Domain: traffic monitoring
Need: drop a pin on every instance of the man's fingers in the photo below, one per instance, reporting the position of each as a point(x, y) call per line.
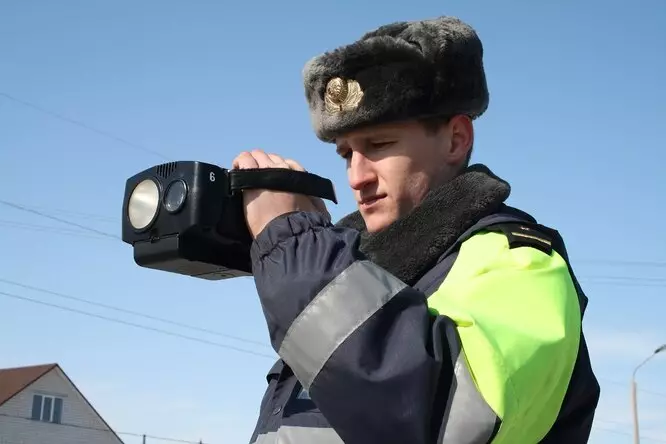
point(259, 159)
point(263, 159)
point(244, 161)
point(294, 165)
point(278, 162)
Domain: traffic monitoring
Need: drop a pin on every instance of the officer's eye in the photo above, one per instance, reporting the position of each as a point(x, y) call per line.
point(345, 154)
point(381, 144)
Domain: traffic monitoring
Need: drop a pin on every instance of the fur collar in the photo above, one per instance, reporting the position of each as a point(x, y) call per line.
point(410, 246)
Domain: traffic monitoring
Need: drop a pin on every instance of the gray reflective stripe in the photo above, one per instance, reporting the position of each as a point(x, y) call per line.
point(333, 315)
point(300, 435)
point(468, 419)
point(268, 438)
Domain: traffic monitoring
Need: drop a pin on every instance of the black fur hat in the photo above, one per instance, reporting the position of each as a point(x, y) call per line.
point(399, 71)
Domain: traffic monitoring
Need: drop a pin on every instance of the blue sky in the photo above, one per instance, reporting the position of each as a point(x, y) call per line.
point(575, 124)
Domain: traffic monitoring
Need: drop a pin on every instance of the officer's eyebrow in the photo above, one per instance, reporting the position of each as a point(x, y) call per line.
point(384, 132)
point(369, 136)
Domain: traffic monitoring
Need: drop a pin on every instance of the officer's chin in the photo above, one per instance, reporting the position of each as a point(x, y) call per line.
point(376, 222)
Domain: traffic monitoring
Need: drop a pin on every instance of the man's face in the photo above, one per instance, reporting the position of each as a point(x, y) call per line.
point(392, 167)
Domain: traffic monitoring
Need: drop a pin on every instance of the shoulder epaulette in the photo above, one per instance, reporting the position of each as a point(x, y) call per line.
point(525, 235)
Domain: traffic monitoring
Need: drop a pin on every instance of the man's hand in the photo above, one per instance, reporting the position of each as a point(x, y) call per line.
point(262, 206)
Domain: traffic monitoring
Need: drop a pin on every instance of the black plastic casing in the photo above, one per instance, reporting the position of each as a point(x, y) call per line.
point(206, 238)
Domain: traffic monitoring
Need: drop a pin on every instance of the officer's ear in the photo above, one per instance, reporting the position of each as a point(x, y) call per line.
point(461, 134)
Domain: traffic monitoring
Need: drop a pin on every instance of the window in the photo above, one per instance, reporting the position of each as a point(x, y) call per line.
point(47, 408)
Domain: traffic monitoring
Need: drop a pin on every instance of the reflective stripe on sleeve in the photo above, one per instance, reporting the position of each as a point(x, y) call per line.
point(333, 315)
point(468, 418)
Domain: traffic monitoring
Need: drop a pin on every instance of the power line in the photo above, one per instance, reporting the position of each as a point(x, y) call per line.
point(134, 145)
point(36, 210)
point(133, 324)
point(179, 324)
point(628, 278)
point(183, 441)
point(619, 432)
point(633, 284)
point(652, 392)
point(49, 229)
point(622, 263)
point(83, 125)
point(132, 312)
point(202, 329)
point(57, 219)
point(109, 430)
point(161, 438)
point(79, 214)
point(170, 333)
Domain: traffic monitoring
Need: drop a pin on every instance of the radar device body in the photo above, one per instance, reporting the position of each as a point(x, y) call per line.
point(187, 217)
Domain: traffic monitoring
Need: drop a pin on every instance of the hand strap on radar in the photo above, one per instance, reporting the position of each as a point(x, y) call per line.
point(282, 179)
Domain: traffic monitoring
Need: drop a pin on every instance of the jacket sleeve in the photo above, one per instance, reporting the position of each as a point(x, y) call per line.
point(378, 357)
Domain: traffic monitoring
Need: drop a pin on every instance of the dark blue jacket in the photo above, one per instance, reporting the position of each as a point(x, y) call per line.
point(363, 359)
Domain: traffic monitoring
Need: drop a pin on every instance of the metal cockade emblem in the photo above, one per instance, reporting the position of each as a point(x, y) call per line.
point(342, 95)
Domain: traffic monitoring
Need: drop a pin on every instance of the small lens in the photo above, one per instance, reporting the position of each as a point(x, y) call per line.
point(175, 196)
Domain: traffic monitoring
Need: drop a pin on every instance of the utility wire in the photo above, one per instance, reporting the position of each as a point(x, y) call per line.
point(106, 218)
point(109, 430)
point(132, 312)
point(644, 280)
point(200, 329)
point(633, 284)
point(629, 278)
point(57, 219)
point(83, 125)
point(619, 432)
point(652, 392)
point(78, 214)
point(49, 229)
point(180, 324)
point(133, 324)
point(233, 348)
point(623, 263)
point(183, 441)
point(151, 151)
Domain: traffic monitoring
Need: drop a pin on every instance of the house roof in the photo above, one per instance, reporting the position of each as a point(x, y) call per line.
point(14, 380)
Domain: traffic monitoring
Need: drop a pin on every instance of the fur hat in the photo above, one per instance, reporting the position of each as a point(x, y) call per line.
point(399, 71)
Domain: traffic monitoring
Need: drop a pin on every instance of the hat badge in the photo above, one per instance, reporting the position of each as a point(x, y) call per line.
point(342, 95)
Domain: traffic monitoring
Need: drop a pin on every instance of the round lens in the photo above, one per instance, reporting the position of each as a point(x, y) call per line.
point(175, 196)
point(143, 204)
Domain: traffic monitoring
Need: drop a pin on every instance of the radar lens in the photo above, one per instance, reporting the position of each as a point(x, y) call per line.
point(175, 196)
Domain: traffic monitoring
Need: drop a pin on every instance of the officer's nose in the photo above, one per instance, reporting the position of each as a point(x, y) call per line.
point(360, 171)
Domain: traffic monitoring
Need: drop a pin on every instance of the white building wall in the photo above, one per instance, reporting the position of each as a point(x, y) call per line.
point(79, 423)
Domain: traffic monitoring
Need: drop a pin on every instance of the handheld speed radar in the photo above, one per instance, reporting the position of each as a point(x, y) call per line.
point(187, 217)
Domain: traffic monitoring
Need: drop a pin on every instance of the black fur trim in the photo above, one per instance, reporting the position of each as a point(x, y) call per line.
point(406, 70)
point(410, 246)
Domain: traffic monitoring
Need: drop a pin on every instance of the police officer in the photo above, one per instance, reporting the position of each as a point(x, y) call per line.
point(436, 313)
